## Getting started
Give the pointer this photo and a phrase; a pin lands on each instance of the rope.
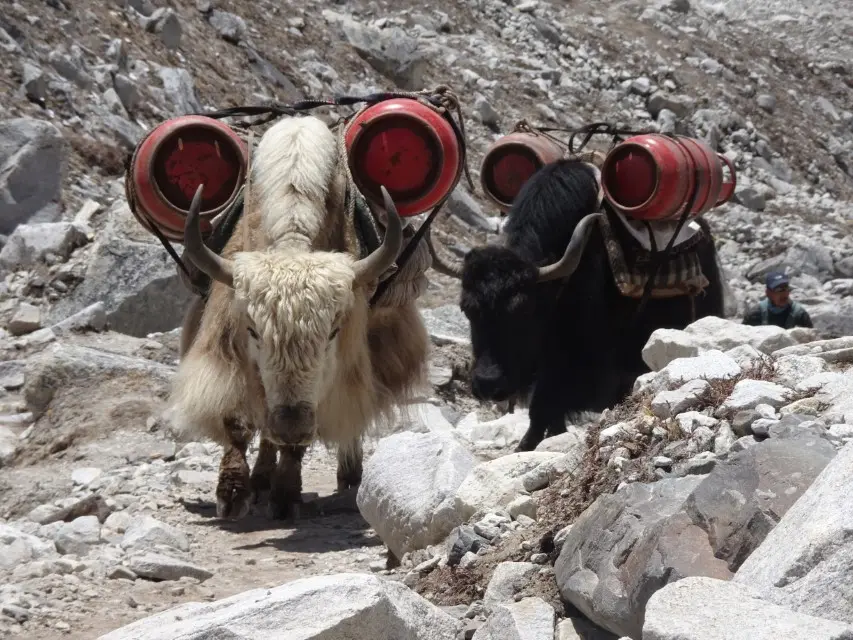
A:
(596, 128)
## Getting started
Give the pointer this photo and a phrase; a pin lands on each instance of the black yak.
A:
(549, 327)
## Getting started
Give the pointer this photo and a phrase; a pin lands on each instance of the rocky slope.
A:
(107, 520)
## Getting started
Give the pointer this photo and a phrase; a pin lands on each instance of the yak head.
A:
(300, 310)
(500, 297)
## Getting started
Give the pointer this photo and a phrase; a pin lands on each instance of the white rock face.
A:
(408, 487)
(423, 417)
(806, 561)
(496, 483)
(507, 580)
(711, 333)
(149, 533)
(792, 370)
(527, 619)
(506, 431)
(697, 608)
(341, 606)
(17, 547)
(78, 535)
(670, 403)
(710, 366)
(749, 394)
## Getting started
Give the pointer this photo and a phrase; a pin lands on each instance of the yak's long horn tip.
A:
(195, 205)
(390, 207)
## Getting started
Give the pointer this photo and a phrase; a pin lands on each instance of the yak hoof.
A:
(349, 481)
(232, 502)
(284, 507)
(528, 443)
(260, 486)
(232, 490)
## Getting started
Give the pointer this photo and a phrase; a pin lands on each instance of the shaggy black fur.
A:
(570, 345)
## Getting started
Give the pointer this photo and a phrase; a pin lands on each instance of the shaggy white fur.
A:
(293, 168)
(294, 300)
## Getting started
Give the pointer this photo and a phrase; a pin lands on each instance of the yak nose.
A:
(292, 424)
(489, 383)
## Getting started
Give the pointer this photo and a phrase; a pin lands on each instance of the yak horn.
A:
(566, 265)
(370, 268)
(438, 263)
(207, 261)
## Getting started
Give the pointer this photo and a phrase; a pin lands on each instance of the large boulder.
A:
(629, 544)
(832, 392)
(711, 333)
(708, 609)
(408, 489)
(31, 243)
(392, 52)
(495, 484)
(527, 619)
(33, 161)
(742, 499)
(131, 273)
(334, 607)
(711, 366)
(77, 392)
(806, 562)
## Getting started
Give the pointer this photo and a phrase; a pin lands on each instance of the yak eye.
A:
(334, 333)
(253, 333)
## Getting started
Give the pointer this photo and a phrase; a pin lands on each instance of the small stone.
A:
(761, 427)
(78, 535)
(147, 532)
(485, 112)
(18, 614)
(522, 506)
(27, 318)
(766, 102)
(468, 560)
(525, 521)
(35, 82)
(157, 566)
(85, 476)
(121, 572)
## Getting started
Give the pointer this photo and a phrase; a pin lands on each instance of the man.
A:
(777, 308)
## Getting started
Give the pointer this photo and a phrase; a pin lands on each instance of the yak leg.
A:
(286, 489)
(232, 490)
(261, 479)
(350, 466)
(547, 417)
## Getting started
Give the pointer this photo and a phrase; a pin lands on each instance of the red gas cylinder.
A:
(407, 147)
(170, 163)
(510, 162)
(653, 177)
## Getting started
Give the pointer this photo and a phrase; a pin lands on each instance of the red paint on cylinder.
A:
(511, 161)
(170, 163)
(407, 147)
(656, 177)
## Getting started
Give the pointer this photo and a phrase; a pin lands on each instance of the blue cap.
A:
(776, 279)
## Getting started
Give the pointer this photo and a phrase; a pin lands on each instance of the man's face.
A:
(779, 296)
